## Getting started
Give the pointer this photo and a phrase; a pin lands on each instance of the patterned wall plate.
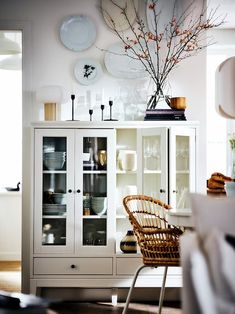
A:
(87, 71)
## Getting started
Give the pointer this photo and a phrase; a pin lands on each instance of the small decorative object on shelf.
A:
(178, 103)
(86, 204)
(90, 113)
(110, 111)
(102, 112)
(129, 244)
(72, 98)
(102, 159)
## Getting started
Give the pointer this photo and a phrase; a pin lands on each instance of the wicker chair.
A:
(158, 241)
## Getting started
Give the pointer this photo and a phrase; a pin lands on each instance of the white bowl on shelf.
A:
(99, 205)
(59, 198)
(54, 160)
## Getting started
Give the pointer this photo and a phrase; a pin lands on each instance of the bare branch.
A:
(161, 51)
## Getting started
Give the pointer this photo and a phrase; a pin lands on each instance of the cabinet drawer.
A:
(128, 265)
(79, 266)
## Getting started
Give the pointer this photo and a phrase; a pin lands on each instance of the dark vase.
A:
(129, 244)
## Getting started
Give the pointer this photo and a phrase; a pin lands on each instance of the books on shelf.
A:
(165, 114)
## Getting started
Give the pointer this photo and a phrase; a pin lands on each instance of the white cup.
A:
(128, 160)
(50, 238)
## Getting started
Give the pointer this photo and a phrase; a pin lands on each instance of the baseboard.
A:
(82, 294)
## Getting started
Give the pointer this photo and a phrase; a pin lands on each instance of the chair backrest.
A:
(158, 241)
(146, 212)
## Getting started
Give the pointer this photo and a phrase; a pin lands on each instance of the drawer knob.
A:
(162, 191)
(73, 266)
(70, 191)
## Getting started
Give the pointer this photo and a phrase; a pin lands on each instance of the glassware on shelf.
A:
(100, 238)
(89, 148)
(151, 153)
(54, 231)
(182, 155)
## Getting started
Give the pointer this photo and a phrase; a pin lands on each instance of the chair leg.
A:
(131, 288)
(162, 293)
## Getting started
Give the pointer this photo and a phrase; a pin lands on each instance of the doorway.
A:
(11, 147)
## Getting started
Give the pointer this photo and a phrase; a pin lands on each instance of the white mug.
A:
(128, 160)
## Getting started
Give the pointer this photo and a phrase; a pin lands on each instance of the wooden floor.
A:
(10, 266)
(10, 281)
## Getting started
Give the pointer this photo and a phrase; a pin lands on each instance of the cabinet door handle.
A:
(78, 191)
(73, 266)
(162, 191)
(175, 191)
(70, 191)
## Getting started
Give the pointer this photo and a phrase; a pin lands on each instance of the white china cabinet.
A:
(82, 171)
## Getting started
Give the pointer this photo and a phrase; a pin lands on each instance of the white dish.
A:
(164, 9)
(87, 71)
(110, 11)
(78, 32)
(122, 66)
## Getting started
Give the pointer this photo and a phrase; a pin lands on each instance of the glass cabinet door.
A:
(94, 175)
(53, 191)
(153, 156)
(182, 165)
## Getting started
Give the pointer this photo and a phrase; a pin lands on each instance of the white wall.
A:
(47, 61)
(10, 231)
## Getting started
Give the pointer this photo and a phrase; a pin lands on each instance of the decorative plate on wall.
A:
(122, 66)
(111, 11)
(87, 71)
(164, 9)
(78, 32)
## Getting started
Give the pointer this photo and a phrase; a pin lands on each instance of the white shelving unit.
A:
(86, 245)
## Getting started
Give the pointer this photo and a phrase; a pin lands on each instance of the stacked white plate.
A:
(99, 205)
(54, 160)
(54, 209)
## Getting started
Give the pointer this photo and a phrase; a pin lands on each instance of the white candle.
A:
(102, 96)
(88, 99)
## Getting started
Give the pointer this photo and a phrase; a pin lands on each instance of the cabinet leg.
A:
(34, 289)
(114, 299)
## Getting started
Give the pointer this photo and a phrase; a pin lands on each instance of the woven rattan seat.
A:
(158, 241)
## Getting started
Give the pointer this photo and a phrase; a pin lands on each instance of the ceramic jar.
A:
(129, 244)
(127, 160)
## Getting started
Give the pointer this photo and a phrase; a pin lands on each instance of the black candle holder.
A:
(110, 112)
(72, 98)
(90, 113)
(102, 112)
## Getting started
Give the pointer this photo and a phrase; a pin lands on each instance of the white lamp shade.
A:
(8, 46)
(225, 88)
(13, 62)
(50, 94)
